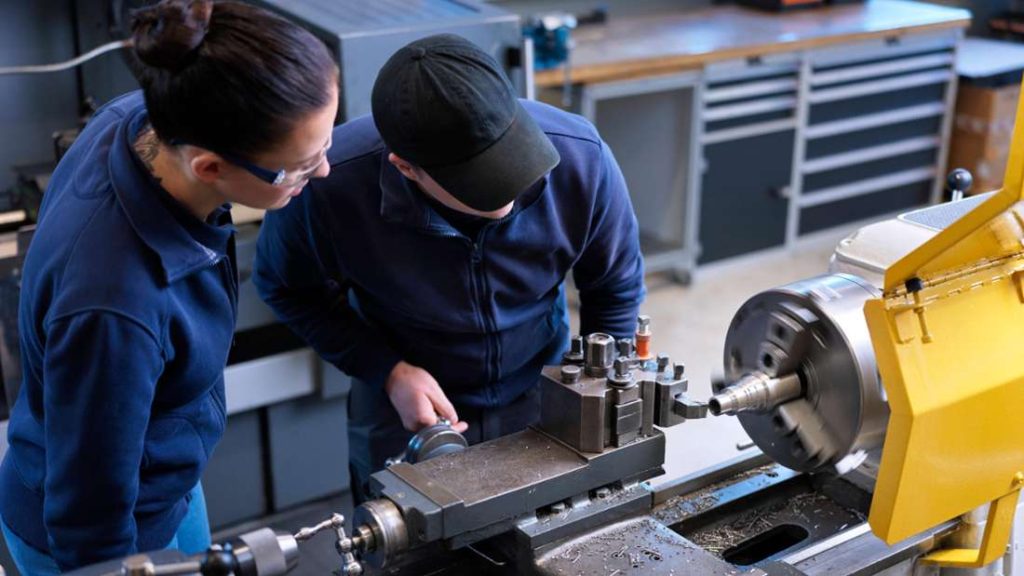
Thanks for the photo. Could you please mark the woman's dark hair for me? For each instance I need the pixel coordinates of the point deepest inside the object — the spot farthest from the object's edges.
(228, 76)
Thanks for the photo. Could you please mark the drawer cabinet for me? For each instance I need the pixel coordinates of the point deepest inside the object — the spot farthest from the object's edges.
(875, 131)
(752, 154)
(744, 205)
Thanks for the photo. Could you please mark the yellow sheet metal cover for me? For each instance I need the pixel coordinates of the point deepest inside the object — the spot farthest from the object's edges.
(948, 335)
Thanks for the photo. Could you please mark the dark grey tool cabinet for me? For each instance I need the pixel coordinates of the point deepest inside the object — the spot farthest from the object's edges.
(748, 210)
(747, 141)
(877, 125)
(650, 127)
(753, 154)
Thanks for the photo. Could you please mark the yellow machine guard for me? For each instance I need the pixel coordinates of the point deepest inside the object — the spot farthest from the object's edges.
(948, 335)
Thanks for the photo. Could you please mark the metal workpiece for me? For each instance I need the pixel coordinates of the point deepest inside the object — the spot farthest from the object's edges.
(756, 392)
(812, 336)
(599, 354)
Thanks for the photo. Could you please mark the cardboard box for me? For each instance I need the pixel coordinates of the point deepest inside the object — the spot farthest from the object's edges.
(982, 130)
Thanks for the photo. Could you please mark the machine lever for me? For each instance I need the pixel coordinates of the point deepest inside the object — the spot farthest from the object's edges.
(959, 184)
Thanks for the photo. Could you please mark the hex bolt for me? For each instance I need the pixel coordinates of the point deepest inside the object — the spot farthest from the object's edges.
(602, 493)
(678, 370)
(663, 362)
(600, 354)
(643, 325)
(621, 377)
(575, 353)
(622, 367)
(625, 347)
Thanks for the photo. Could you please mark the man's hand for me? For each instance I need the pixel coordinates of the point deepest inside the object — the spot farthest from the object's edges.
(418, 398)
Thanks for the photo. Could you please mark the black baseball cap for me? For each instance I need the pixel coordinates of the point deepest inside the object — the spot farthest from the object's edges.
(446, 106)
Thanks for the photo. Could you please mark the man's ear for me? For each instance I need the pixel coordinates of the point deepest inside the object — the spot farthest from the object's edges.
(207, 167)
(407, 169)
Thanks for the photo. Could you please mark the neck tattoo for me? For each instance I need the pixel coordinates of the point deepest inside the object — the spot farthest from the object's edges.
(147, 146)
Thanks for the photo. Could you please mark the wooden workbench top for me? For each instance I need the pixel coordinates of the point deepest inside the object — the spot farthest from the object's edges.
(627, 47)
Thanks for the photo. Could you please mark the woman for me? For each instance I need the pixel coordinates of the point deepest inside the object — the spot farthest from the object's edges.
(129, 290)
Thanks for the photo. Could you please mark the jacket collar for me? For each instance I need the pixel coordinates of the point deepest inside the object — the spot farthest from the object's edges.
(179, 252)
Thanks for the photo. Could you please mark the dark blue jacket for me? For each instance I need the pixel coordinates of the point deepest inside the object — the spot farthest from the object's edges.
(127, 313)
(364, 269)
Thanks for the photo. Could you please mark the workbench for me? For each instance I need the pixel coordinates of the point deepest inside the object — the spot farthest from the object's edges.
(740, 130)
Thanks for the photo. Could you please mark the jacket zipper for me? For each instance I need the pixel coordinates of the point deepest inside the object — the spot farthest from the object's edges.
(480, 293)
(479, 283)
(493, 349)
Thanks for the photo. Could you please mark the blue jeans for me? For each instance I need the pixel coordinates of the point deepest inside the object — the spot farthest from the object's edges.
(192, 537)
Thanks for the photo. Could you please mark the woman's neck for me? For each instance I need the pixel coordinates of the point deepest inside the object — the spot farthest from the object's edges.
(198, 199)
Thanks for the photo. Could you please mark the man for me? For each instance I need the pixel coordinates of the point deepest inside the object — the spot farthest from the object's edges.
(430, 264)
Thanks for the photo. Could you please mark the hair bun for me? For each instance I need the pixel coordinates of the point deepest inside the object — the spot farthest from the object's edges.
(167, 34)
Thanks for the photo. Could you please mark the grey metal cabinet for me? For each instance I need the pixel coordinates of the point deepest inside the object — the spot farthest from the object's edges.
(234, 480)
(286, 437)
(308, 446)
(747, 146)
(875, 131)
(651, 127)
(363, 35)
(755, 153)
(743, 207)
(862, 127)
